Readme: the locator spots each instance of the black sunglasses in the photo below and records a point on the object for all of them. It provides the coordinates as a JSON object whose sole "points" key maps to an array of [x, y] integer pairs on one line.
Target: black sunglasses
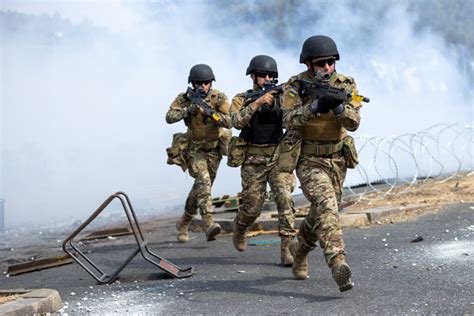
{"points": [[322, 63], [200, 83], [264, 74]]}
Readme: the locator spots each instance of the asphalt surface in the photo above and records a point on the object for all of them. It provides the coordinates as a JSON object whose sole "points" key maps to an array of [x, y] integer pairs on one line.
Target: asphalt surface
{"points": [[392, 275]]}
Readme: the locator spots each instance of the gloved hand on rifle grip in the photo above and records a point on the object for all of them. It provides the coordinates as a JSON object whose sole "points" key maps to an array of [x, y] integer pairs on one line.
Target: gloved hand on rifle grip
{"points": [[324, 104]]}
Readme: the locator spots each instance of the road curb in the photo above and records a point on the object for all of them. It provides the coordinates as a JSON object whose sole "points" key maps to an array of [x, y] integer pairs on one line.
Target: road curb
{"points": [[379, 214], [37, 301], [347, 219]]}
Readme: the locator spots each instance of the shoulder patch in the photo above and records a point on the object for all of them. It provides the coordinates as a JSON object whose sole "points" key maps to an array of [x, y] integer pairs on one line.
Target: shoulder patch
{"points": [[292, 92]]}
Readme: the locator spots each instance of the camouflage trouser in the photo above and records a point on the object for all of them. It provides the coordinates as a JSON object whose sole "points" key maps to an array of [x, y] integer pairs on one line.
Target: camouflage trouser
{"points": [[203, 165], [321, 180], [255, 173]]}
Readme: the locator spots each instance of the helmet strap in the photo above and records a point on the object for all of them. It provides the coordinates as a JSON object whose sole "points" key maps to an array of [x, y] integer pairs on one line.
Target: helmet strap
{"points": [[255, 81]]}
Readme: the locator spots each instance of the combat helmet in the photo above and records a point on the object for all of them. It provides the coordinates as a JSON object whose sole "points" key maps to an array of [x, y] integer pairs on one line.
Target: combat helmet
{"points": [[201, 72], [318, 46], [263, 63]]}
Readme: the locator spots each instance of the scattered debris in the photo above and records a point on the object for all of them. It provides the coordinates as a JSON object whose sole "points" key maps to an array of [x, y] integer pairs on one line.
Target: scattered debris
{"points": [[9, 297], [108, 233], [417, 239], [229, 203], [268, 242], [37, 265], [434, 192], [261, 232]]}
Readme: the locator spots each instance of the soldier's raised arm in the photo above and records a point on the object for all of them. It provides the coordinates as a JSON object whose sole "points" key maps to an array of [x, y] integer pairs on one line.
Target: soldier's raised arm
{"points": [[295, 114], [240, 114], [178, 109]]}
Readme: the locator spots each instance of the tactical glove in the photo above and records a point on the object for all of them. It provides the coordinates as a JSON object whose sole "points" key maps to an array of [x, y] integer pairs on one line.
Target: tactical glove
{"points": [[328, 102], [324, 104]]}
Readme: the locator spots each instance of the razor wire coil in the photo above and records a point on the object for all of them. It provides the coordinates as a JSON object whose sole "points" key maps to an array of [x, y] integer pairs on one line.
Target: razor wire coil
{"points": [[440, 151]]}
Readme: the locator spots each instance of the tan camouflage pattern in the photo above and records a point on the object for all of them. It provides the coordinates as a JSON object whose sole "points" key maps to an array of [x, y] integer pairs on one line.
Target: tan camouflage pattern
{"points": [[240, 115], [321, 178], [203, 156], [321, 181], [256, 172], [296, 114], [179, 111], [203, 165]]}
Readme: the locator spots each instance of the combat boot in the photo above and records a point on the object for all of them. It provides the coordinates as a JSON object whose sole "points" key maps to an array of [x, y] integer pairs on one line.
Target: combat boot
{"points": [[300, 260], [286, 257], [183, 225], [341, 272], [212, 229], [238, 237]]}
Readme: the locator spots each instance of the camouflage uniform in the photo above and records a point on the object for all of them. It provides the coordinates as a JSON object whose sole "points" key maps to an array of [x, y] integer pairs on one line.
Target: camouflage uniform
{"points": [[321, 166], [203, 155], [259, 168]]}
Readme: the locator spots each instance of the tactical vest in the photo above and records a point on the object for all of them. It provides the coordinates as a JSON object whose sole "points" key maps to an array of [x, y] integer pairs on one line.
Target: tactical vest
{"points": [[324, 127], [265, 126], [198, 129]]}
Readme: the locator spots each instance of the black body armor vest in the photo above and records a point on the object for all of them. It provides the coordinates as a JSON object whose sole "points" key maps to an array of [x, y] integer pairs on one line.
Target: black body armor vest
{"points": [[266, 125]]}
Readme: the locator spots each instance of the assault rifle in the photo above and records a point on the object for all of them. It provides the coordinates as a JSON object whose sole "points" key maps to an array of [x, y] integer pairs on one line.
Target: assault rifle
{"points": [[268, 86], [196, 97], [321, 87]]}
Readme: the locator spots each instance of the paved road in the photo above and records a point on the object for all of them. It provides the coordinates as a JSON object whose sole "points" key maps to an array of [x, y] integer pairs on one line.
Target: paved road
{"points": [[392, 275]]}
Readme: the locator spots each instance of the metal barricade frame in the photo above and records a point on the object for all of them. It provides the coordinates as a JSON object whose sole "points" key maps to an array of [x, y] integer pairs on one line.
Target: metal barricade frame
{"points": [[72, 249]]}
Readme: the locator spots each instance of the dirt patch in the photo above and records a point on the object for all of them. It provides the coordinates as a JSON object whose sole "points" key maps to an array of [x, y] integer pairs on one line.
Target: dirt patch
{"points": [[5, 298], [433, 193], [429, 194], [436, 192]]}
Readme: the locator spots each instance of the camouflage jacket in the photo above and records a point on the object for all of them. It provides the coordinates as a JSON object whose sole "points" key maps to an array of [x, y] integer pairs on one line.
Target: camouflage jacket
{"points": [[318, 126], [240, 115], [198, 128]]}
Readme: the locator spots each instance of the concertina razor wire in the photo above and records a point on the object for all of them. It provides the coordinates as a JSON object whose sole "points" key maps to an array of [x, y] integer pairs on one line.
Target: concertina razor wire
{"points": [[440, 151]]}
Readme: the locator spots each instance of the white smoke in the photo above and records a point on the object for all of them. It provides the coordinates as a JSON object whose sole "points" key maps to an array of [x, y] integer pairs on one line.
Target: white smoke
{"points": [[81, 119]]}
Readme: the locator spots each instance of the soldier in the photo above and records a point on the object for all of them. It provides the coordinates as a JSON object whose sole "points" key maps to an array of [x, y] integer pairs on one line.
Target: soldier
{"points": [[261, 128], [206, 123], [326, 152]]}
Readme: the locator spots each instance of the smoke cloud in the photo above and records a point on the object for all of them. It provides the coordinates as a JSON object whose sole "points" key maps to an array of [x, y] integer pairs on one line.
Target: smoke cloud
{"points": [[85, 88]]}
